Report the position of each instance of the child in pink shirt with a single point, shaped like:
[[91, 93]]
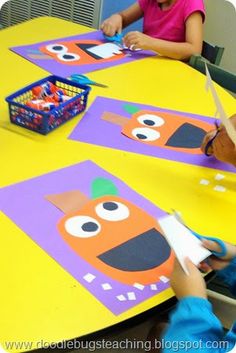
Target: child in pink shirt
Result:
[[172, 28]]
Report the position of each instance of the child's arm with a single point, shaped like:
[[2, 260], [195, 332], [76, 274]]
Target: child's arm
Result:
[[192, 327], [174, 50], [192, 324], [116, 22]]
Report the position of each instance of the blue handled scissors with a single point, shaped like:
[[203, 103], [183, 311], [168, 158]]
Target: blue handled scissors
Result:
[[223, 249], [117, 38], [84, 80], [210, 142]]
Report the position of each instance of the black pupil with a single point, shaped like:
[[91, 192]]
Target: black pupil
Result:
[[110, 206], [89, 227], [68, 56], [57, 47], [141, 136], [149, 122]]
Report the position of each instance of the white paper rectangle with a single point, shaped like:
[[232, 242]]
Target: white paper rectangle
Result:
[[182, 241], [106, 50]]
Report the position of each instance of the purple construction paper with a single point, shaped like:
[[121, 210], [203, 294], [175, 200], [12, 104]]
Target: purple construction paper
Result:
[[92, 129], [56, 68], [25, 205]]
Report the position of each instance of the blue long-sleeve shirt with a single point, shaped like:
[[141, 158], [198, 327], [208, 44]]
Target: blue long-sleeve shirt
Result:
[[194, 327]]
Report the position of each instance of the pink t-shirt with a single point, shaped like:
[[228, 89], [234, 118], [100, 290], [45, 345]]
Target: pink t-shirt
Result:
[[168, 24]]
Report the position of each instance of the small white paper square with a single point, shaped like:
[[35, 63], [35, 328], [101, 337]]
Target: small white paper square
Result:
[[121, 298], [164, 279], [106, 286], [204, 182], [139, 286], [219, 176], [220, 188], [153, 287], [131, 296], [183, 242], [89, 277]]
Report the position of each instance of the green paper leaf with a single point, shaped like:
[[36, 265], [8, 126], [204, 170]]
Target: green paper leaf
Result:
[[102, 187], [131, 108]]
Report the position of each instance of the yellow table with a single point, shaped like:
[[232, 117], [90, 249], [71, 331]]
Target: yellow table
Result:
[[39, 299]]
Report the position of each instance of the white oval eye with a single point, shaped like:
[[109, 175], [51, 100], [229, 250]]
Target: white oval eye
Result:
[[145, 134], [112, 211], [67, 57], [82, 226], [56, 48], [151, 120]]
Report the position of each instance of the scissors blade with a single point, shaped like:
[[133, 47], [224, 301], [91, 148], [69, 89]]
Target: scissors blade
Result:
[[98, 84]]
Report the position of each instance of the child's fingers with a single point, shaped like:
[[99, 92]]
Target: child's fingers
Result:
[[211, 245], [189, 264], [205, 267]]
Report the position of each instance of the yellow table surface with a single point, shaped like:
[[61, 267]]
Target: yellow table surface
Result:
[[39, 299]]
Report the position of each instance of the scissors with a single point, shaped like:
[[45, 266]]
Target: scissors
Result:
[[117, 39], [223, 249], [84, 80], [210, 142]]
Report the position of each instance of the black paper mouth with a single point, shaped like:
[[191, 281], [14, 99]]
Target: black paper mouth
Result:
[[144, 252], [187, 136]]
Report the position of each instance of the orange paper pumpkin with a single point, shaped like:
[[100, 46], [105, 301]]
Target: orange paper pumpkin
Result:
[[119, 239], [77, 52], [166, 130]]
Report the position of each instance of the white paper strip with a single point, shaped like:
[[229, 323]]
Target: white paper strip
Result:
[[182, 241], [220, 110]]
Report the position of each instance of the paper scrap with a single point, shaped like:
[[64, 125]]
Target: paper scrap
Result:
[[220, 188], [183, 242], [204, 182], [164, 279], [219, 176], [106, 286], [131, 296], [89, 278], [139, 286], [121, 298]]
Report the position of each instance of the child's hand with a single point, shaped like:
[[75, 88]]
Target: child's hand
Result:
[[217, 263], [112, 25], [209, 135], [137, 40], [222, 147], [187, 285]]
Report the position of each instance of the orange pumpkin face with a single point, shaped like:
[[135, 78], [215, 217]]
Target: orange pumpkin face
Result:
[[167, 130], [81, 52], [119, 239]]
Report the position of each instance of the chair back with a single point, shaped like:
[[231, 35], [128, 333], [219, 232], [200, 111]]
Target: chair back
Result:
[[224, 78], [212, 53]]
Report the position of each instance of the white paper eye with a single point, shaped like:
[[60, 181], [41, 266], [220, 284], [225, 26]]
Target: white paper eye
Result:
[[151, 120], [82, 226], [112, 211], [56, 48], [67, 57], [145, 134]]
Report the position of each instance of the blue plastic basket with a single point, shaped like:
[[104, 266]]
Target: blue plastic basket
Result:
[[41, 121]]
